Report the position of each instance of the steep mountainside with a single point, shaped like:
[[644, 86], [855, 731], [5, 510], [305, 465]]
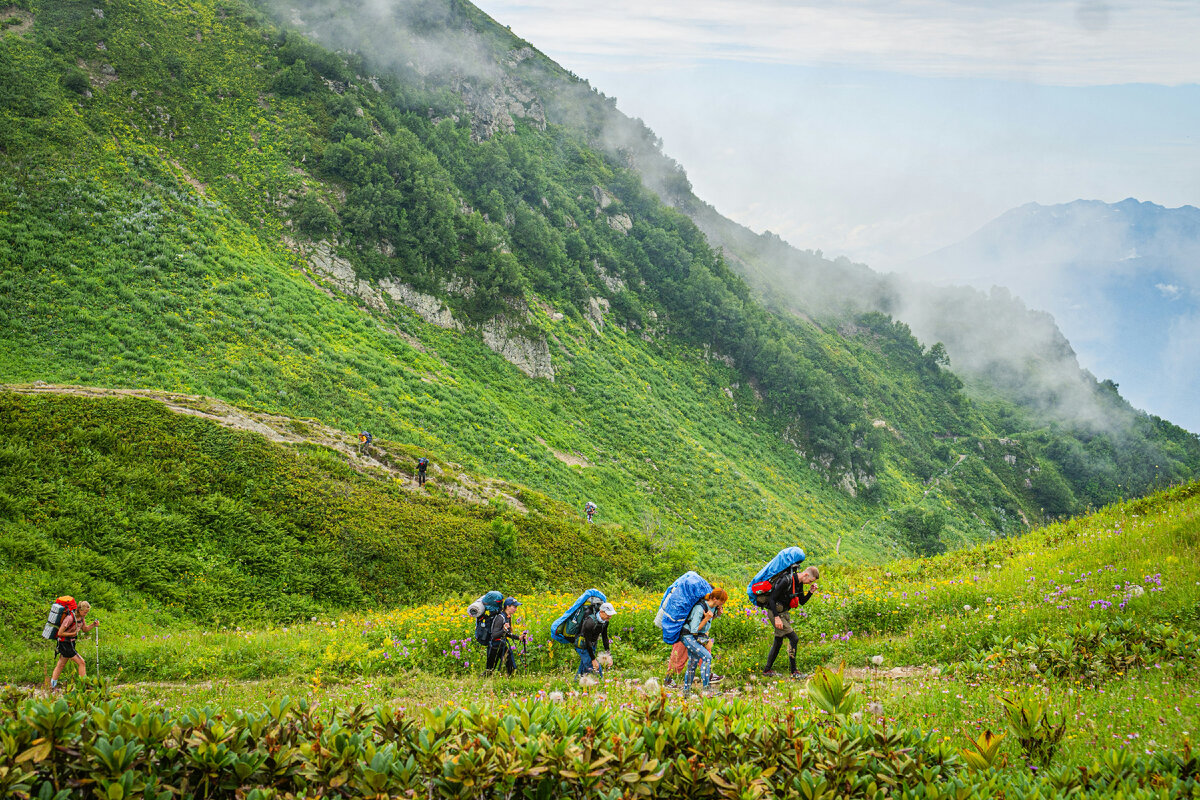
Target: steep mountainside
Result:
[[1122, 280], [197, 198], [1017, 364]]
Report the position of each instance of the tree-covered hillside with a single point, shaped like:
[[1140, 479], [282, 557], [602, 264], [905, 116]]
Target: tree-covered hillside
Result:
[[198, 198]]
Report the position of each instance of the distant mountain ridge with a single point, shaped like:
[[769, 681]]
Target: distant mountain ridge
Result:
[[1121, 279]]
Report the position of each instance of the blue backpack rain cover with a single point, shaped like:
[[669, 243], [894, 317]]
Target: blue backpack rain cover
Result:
[[788, 557], [565, 629], [677, 602]]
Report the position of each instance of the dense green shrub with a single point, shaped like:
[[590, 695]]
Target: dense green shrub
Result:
[[535, 749]]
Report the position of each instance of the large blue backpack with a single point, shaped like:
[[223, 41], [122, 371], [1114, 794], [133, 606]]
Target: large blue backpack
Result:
[[677, 602], [484, 610], [566, 628], [779, 568]]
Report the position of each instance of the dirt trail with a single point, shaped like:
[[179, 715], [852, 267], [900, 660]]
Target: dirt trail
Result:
[[289, 430]]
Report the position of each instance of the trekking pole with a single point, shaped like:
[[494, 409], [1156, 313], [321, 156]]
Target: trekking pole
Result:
[[96, 631]]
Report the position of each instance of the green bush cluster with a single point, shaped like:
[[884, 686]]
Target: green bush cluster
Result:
[[1093, 649], [91, 742]]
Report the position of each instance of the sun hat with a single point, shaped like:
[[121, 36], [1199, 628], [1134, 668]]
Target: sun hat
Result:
[[607, 608]]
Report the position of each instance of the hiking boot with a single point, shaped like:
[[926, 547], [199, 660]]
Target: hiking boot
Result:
[[669, 682], [715, 678], [770, 673], [797, 675]]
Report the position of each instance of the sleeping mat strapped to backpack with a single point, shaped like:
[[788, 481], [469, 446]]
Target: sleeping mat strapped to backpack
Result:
[[677, 602], [59, 609], [566, 628], [760, 587], [484, 610]]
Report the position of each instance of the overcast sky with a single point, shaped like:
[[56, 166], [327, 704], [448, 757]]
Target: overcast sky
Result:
[[883, 130]]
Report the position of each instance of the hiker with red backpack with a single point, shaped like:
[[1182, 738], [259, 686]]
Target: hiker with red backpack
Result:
[[70, 625], [794, 592]]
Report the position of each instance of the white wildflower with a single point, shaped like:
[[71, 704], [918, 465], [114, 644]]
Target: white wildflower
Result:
[[877, 660], [650, 686], [556, 697]]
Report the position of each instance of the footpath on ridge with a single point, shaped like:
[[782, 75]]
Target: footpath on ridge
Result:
[[292, 431]]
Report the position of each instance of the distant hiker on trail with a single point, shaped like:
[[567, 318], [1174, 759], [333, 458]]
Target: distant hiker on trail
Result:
[[594, 629], [422, 465], [590, 510], [501, 634], [695, 638], [788, 594], [364, 442], [72, 625]]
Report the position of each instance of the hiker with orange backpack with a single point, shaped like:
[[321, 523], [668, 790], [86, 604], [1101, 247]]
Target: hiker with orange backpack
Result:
[[69, 628]]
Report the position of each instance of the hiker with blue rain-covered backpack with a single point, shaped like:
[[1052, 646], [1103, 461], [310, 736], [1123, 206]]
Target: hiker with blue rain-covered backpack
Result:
[[582, 626], [779, 587], [685, 614]]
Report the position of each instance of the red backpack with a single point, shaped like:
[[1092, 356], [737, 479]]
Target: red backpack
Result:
[[58, 611]]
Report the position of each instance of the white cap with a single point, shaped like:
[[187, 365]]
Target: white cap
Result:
[[607, 608]]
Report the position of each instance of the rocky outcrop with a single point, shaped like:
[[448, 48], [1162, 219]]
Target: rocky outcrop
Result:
[[327, 264], [531, 356], [621, 223], [503, 334], [597, 308], [495, 107], [613, 283], [426, 306], [616, 219]]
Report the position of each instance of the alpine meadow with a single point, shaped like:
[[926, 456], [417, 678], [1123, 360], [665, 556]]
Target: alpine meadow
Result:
[[234, 235]]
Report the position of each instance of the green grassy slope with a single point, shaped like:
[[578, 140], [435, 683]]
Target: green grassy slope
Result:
[[141, 507]]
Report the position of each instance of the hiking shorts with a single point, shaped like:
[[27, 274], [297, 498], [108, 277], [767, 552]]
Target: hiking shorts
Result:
[[66, 648], [786, 618]]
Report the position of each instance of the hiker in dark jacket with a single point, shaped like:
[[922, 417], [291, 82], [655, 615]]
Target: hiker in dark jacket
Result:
[[501, 633], [790, 593], [593, 630]]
